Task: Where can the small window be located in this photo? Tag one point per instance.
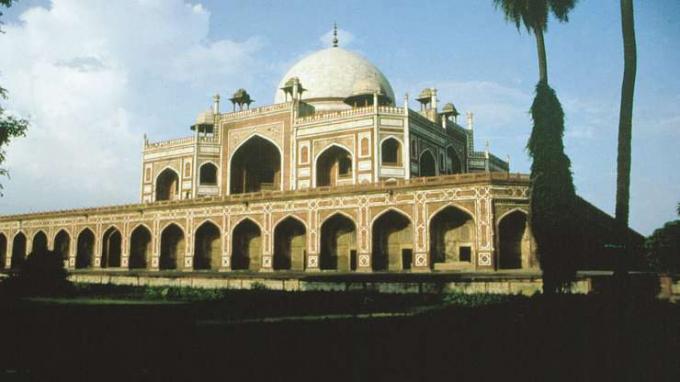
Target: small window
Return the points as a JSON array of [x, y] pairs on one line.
[[187, 169], [208, 174], [414, 148], [364, 147], [465, 254], [147, 174]]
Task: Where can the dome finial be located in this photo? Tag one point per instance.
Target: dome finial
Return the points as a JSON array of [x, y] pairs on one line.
[[335, 35]]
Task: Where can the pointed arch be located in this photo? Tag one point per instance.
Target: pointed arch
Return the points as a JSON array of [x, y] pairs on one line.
[[260, 168], [141, 247], [167, 184], [452, 205], [39, 242], [207, 246], [3, 250], [427, 164], [452, 232], [246, 245], [513, 210], [85, 249], [112, 244], [392, 240], [18, 249], [514, 240], [333, 165], [292, 216], [207, 220], [208, 173], [388, 209], [173, 247], [339, 212], [338, 243], [244, 218], [290, 238], [391, 151], [62, 244], [454, 165]]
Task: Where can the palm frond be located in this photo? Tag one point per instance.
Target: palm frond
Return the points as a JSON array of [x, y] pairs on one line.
[[561, 8]]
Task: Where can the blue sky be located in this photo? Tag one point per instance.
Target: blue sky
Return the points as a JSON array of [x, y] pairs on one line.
[[94, 76]]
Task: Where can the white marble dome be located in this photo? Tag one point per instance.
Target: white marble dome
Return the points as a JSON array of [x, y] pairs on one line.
[[331, 75]]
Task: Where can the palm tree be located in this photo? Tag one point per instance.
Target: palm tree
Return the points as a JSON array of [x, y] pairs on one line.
[[625, 115], [553, 195], [533, 14]]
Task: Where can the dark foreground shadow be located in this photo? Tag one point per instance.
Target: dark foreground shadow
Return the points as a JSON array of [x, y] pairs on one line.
[[565, 338]]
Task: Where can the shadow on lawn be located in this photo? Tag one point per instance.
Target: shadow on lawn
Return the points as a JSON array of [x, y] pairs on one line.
[[621, 332]]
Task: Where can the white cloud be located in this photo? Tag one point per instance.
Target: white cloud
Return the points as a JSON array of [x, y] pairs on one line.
[[93, 77]]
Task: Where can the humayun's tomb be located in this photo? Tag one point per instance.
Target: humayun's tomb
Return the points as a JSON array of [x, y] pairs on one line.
[[335, 175]]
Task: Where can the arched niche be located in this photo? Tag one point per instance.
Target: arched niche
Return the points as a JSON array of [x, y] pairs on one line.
[[334, 167], [392, 242], [338, 243], [289, 245], [427, 165], [167, 185]]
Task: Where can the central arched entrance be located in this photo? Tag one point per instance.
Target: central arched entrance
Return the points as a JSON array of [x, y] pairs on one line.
[[289, 245], [167, 185], [255, 166], [246, 249], [392, 242], [334, 167], [207, 247], [338, 244], [172, 247], [111, 248], [452, 239], [427, 164]]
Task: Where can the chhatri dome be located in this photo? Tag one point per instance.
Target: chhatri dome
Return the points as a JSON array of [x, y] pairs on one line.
[[331, 75]]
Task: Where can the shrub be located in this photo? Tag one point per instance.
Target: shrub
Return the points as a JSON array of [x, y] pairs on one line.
[[42, 274]]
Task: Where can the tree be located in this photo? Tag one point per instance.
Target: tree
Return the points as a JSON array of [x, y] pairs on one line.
[[662, 248], [553, 195], [533, 14], [623, 162], [41, 274], [10, 126]]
